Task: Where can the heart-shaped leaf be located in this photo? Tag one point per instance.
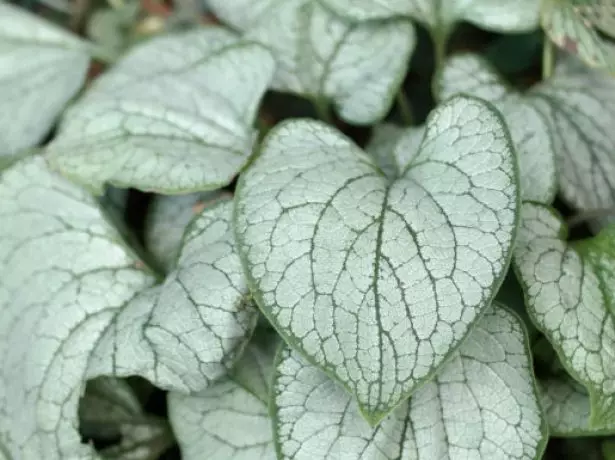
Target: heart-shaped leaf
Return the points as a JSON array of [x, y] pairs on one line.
[[357, 67], [377, 281], [166, 222], [481, 405], [530, 133], [230, 420], [441, 15], [187, 332], [175, 115], [576, 26], [578, 105], [569, 297], [65, 274], [41, 68]]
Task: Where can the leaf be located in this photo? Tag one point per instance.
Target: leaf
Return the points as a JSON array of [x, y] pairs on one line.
[[41, 68], [569, 298], [166, 222], [76, 304], [481, 405], [173, 116], [189, 331], [377, 281], [570, 26], [66, 273], [567, 409], [231, 418], [442, 15], [358, 68], [578, 105], [110, 410], [530, 133]]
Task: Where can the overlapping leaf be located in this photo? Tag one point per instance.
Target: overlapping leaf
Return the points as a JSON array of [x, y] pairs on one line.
[[579, 106], [187, 332], [167, 219], [529, 131], [174, 115], [441, 15], [231, 418], [73, 307], [481, 405], [569, 298], [567, 409], [41, 68], [356, 67], [576, 26], [65, 274], [377, 281]]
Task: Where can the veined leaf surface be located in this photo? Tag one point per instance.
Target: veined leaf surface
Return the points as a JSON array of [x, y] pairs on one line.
[[357, 67], [41, 68], [174, 115], [378, 281], [568, 293], [482, 405]]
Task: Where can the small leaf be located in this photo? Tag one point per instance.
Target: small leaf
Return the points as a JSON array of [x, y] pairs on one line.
[[578, 105], [567, 409], [187, 332], [569, 298], [377, 281], [166, 222], [441, 15], [472, 75], [359, 68], [481, 405], [110, 410], [229, 420], [175, 115], [65, 274], [572, 26], [41, 68]]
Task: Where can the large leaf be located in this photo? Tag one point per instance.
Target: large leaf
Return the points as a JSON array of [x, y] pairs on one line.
[[576, 26], [579, 105], [481, 405], [110, 412], [529, 131], [569, 297], [230, 420], [65, 275], [377, 281], [75, 305], [187, 332], [174, 115], [41, 68], [166, 221], [356, 67], [441, 15]]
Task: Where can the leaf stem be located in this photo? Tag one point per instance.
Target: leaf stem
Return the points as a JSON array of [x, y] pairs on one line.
[[439, 37], [404, 107], [323, 110], [548, 58]]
